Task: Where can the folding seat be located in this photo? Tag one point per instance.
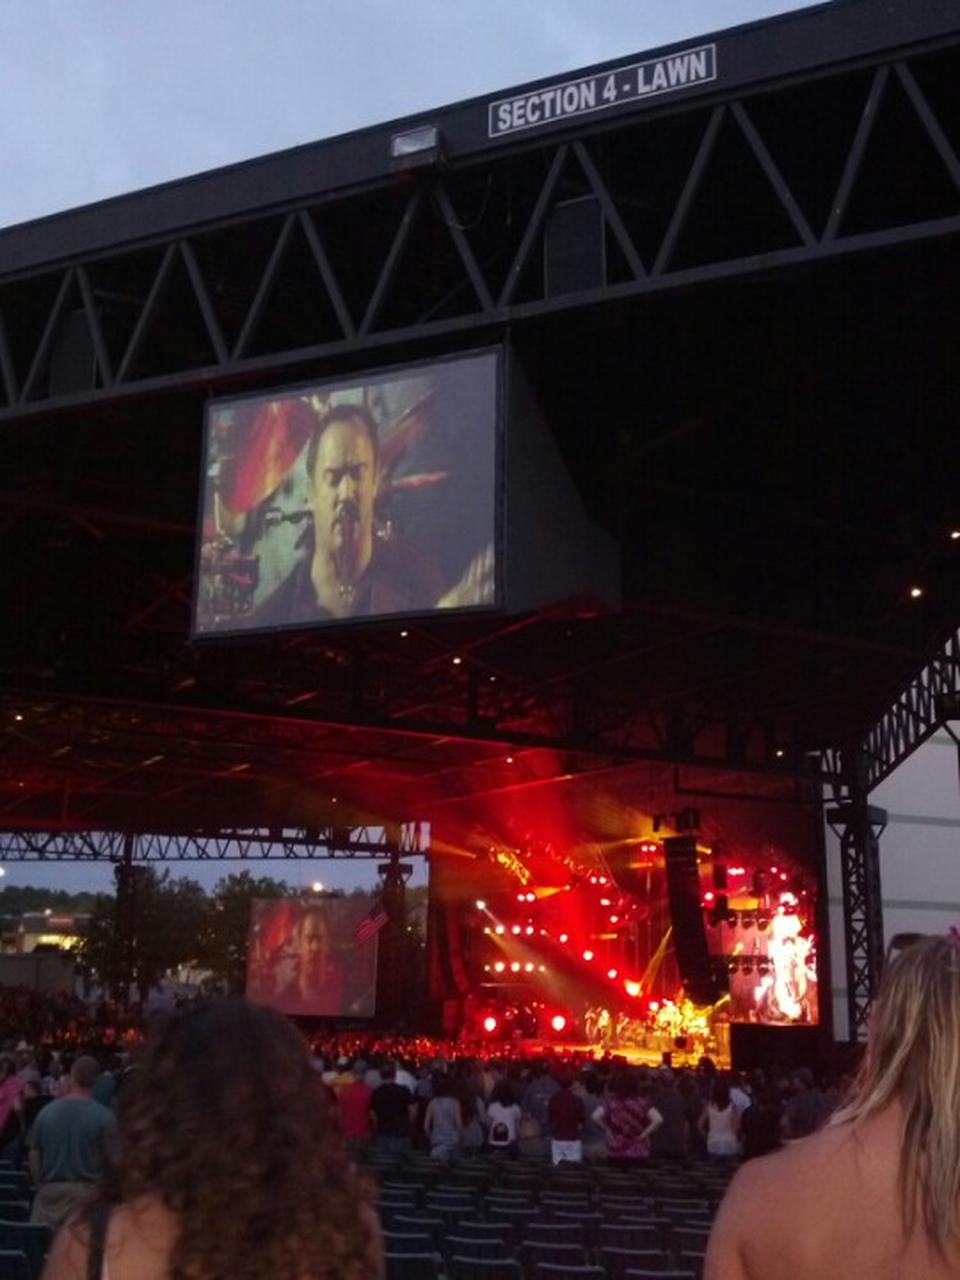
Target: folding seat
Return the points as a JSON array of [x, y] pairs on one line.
[[412, 1266], [484, 1269], [28, 1238]]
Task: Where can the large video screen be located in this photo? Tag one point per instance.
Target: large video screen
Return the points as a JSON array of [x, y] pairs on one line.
[[316, 957], [369, 497]]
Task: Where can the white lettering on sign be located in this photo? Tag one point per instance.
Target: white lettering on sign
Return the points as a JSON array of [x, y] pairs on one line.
[[598, 93]]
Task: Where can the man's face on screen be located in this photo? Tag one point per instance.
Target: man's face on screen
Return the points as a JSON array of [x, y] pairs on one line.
[[344, 491], [314, 944]]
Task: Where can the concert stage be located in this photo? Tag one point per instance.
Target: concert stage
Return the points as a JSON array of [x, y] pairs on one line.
[[680, 326]]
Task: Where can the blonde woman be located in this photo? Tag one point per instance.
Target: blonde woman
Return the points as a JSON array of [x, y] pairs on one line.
[[877, 1192]]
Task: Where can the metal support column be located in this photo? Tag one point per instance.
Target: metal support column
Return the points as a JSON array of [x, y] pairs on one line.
[[392, 986], [125, 923], [858, 826]]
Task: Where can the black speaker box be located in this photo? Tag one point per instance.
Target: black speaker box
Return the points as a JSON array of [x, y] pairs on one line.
[[574, 255], [686, 913]]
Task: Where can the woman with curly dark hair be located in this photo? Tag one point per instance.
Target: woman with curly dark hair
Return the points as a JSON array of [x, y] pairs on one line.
[[227, 1166]]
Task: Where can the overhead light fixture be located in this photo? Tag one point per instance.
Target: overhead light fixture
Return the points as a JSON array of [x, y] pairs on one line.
[[416, 148]]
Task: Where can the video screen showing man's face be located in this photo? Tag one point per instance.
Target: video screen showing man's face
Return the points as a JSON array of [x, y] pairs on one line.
[[306, 957], [372, 498]]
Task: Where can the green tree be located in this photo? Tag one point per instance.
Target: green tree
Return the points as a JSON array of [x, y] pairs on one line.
[[167, 919], [226, 927]]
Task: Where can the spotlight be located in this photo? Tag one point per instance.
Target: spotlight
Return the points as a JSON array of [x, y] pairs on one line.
[[612, 973], [490, 1024], [558, 1022], [588, 955], [481, 905]]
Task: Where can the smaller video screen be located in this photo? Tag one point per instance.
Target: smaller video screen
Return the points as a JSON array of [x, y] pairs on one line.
[[374, 496], [316, 957]]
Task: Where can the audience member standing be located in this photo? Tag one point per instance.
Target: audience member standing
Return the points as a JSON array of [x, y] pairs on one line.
[[226, 1165], [720, 1122], [68, 1146], [566, 1116], [629, 1122], [392, 1108], [443, 1121], [669, 1141], [876, 1192]]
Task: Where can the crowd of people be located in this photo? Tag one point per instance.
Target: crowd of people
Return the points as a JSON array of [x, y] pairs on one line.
[[227, 1145]]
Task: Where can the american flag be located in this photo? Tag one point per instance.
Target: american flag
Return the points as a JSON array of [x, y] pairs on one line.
[[369, 925]]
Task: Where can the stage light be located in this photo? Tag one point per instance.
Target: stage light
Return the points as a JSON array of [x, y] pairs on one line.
[[564, 937], [612, 973], [481, 905], [500, 929], [499, 966], [558, 1022], [916, 593], [515, 967], [490, 1025], [588, 955], [632, 988]]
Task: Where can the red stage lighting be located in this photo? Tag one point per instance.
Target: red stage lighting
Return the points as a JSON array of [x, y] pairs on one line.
[[588, 955], [558, 1022], [490, 1024]]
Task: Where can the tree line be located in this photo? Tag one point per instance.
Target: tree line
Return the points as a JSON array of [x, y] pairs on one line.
[[175, 923]]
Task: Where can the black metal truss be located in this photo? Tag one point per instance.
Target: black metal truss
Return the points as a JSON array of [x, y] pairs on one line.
[[923, 706], [858, 826], [864, 158], [260, 844]]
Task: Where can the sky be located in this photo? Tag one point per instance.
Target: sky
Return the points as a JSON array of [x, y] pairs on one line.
[[101, 97]]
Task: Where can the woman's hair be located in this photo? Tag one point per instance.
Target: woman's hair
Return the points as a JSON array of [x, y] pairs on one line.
[[226, 1124], [913, 1055], [720, 1092], [625, 1085], [503, 1094]]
